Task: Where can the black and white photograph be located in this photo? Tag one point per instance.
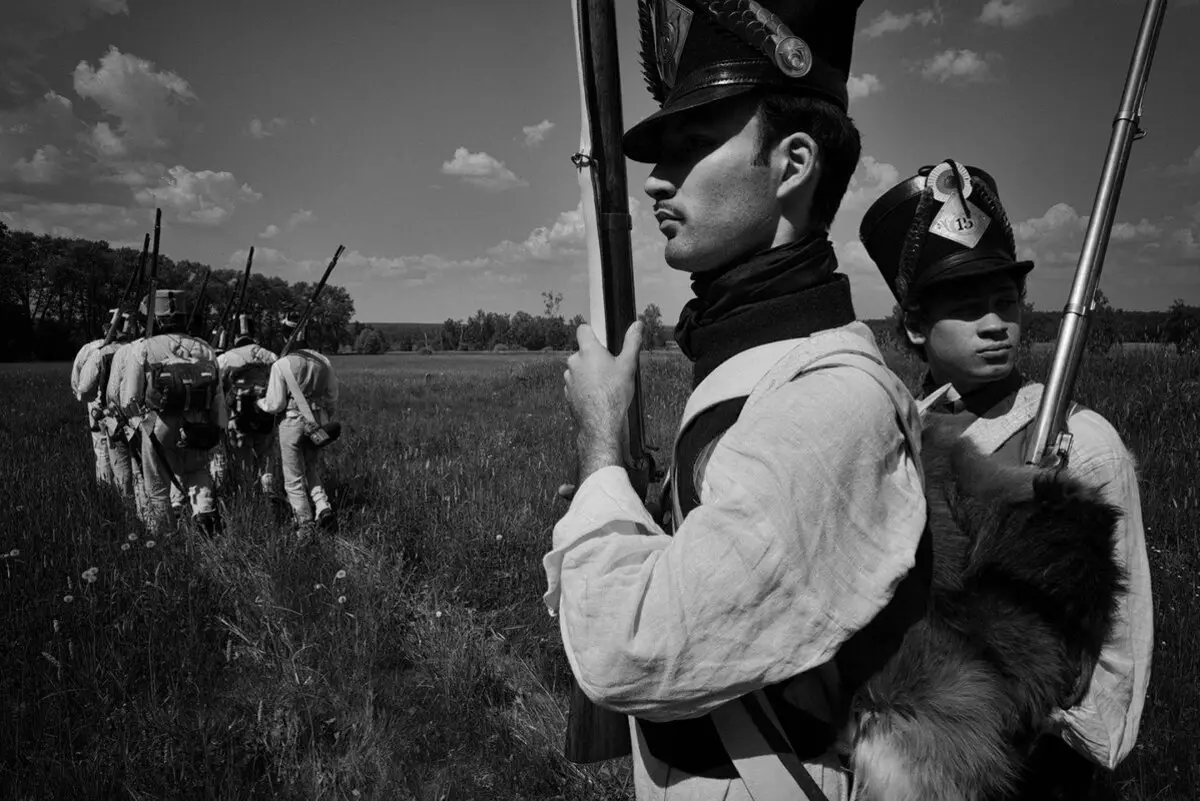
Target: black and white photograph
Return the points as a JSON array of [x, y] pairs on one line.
[[600, 400]]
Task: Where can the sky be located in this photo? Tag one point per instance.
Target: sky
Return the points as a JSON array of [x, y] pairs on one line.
[[433, 140]]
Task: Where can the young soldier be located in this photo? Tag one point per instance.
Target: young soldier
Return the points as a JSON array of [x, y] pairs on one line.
[[942, 241], [93, 383], [733, 633], [95, 411], [303, 385], [245, 370], [169, 390]]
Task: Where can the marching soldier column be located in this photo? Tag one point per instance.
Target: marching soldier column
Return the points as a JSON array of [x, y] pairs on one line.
[[168, 412]]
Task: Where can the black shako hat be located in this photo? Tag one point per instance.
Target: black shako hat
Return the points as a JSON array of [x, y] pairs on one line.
[[944, 223], [696, 52]]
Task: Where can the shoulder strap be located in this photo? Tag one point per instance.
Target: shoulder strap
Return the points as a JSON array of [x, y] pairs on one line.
[[301, 401], [768, 774]]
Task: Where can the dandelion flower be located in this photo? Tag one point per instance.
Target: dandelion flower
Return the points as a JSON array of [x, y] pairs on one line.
[[341, 574], [439, 613], [341, 599], [149, 543], [318, 586], [14, 553], [68, 598], [499, 537], [90, 574], [124, 546], [132, 537]]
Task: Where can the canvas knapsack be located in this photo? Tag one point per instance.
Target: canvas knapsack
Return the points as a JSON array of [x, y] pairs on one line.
[[248, 383], [181, 385]]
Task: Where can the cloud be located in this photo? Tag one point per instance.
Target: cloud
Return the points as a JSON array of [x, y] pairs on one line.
[[890, 22], [88, 220], [1056, 237], [482, 170], [200, 198], [44, 168], [870, 180], [860, 86], [959, 67], [536, 134], [294, 221], [28, 26], [105, 142], [260, 130], [299, 218], [1014, 13], [1188, 167], [145, 101]]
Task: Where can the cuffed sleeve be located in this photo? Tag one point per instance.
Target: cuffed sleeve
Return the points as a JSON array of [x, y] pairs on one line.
[[1104, 725], [811, 511]]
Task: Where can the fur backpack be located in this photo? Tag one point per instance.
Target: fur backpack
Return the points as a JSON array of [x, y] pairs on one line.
[[1025, 592]]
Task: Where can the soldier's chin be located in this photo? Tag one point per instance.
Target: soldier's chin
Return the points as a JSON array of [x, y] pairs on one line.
[[680, 257]]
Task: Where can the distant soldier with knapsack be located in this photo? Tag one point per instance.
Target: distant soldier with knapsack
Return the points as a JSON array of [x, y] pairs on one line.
[[304, 389], [170, 390], [104, 475], [245, 373], [91, 385]]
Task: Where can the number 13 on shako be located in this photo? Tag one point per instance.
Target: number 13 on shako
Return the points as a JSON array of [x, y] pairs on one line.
[[960, 220]]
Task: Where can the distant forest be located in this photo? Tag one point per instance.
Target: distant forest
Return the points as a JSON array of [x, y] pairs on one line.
[[55, 293]]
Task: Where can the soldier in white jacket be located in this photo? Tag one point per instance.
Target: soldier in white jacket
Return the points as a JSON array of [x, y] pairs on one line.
[[103, 466], [310, 372], [169, 390], [92, 385], [960, 294], [732, 632], [249, 439]]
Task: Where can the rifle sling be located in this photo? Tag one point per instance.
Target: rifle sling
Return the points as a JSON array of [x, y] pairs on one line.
[[294, 387]]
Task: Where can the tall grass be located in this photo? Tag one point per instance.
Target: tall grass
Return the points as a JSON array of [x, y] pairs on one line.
[[410, 656]]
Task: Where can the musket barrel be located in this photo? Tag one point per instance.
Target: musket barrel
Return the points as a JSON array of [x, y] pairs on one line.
[[135, 277], [153, 275], [303, 320], [601, 84], [1042, 447]]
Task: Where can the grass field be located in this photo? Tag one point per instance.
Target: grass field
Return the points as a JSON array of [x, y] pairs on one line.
[[410, 657]]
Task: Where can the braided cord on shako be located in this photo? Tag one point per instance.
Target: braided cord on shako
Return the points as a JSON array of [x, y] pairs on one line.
[[992, 206], [914, 242]]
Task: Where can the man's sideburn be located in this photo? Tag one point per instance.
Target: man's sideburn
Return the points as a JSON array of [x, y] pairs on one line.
[[728, 215]]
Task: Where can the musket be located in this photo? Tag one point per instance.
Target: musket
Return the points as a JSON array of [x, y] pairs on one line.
[[239, 290], [153, 275], [135, 278], [191, 324], [1050, 441], [595, 734], [312, 302]]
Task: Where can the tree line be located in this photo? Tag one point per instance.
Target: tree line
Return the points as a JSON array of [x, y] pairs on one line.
[[55, 293], [494, 331]]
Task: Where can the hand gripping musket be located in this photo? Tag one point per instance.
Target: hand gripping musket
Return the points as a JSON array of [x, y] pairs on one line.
[[150, 296], [312, 304], [191, 325], [1051, 442], [236, 298], [595, 734], [135, 278]]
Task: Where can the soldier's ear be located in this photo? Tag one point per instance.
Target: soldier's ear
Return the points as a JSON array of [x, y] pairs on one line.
[[915, 335], [800, 167]]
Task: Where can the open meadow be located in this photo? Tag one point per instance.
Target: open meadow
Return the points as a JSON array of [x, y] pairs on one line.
[[410, 655]]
